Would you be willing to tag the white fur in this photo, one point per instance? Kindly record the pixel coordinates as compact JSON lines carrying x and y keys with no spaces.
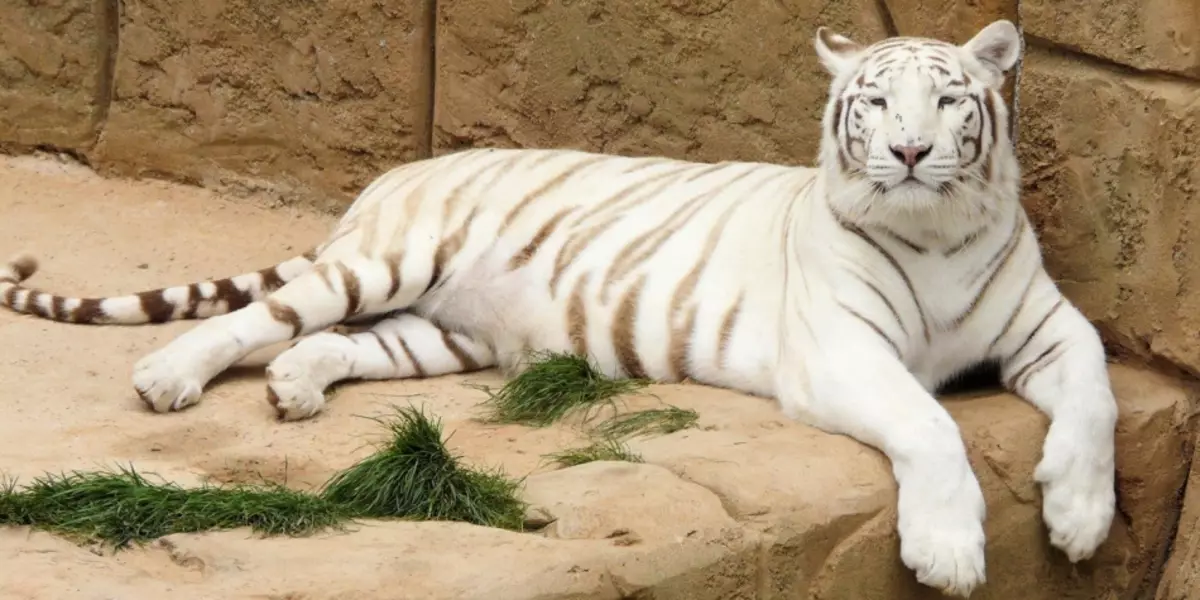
{"x":809,"y":296}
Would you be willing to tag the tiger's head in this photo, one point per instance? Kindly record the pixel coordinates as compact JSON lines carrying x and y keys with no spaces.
{"x":915,"y":125}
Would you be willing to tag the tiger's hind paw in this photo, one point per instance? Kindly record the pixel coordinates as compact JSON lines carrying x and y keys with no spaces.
{"x":294,"y":395}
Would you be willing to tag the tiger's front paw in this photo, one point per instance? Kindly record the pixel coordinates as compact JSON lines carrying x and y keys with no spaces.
{"x":941,"y":534}
{"x":166,"y":382}
{"x":1078,"y":492}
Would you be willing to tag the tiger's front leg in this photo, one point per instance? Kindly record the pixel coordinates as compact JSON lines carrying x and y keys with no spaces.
{"x":1054,"y":359}
{"x":856,"y":386}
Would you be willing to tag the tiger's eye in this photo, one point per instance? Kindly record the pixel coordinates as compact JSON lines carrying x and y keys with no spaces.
{"x":880,"y":102}
{"x":945,"y":101}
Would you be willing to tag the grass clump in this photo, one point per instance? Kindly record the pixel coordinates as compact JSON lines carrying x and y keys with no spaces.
{"x":416,"y":476}
{"x":660,"y":421}
{"x":604,"y":449}
{"x":552,"y":385}
{"x":123,"y":506}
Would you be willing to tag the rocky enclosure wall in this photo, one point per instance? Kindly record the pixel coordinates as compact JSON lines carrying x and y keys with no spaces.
{"x":310,"y":99}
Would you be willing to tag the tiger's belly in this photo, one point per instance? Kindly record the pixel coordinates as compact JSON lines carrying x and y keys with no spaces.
{"x":679,"y":315}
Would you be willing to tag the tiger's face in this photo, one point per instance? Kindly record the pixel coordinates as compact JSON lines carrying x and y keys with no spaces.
{"x":918,"y":119}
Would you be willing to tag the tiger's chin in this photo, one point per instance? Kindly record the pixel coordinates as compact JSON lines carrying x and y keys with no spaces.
{"x":911,"y":193}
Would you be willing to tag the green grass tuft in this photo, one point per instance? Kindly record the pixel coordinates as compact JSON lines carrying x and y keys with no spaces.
{"x":660,"y":421}
{"x":605,"y":449}
{"x":552,"y":385}
{"x":416,"y":476}
{"x":122,"y":507}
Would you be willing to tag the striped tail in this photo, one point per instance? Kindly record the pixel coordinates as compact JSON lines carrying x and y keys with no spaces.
{"x":193,"y":301}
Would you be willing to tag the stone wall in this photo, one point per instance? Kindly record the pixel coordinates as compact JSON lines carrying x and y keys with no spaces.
{"x":310,"y":100}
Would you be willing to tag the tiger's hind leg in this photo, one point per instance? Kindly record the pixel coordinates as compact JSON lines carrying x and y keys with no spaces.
{"x":400,"y":347}
{"x":332,"y":292}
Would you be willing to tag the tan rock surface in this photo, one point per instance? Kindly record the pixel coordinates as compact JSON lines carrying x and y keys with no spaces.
{"x":311,"y":99}
{"x":955,"y":21}
{"x":1155,"y":35}
{"x":1181,"y":575}
{"x":747,"y":505}
{"x":1111,"y":168}
{"x":53,"y":56}
{"x":706,"y":80}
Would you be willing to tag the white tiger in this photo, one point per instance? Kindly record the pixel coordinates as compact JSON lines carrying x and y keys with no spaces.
{"x":849,"y":291}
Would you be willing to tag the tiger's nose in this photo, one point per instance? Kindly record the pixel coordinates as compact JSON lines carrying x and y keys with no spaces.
{"x":910,"y":155}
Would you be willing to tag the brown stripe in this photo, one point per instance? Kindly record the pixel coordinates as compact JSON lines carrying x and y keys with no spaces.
{"x":391,"y":355}
{"x":412,"y":358}
{"x":270,"y":279}
{"x":891,"y":307}
{"x":547,"y":187}
{"x":353,"y":289}
{"x":1012,"y":318}
{"x":505,"y":164}
{"x":872,"y":325}
{"x":623,"y":331}
{"x":60,"y":307}
{"x":35,"y":307}
{"x":852,"y":228}
{"x":965,"y":243}
{"x":155,"y":307}
{"x":726,"y":333}
{"x":10,"y":297}
{"x":234,"y":297}
{"x":1013,"y":239}
{"x":1016,"y":377}
{"x":836,"y":121}
{"x":574,"y":246}
{"x":523,"y":257}
{"x":448,"y":249}
{"x":577,"y":318}
{"x":88,"y":311}
{"x":706,"y":170}
{"x":902,"y":240}
{"x":193,"y":303}
{"x":1035,"y":331}
{"x":679,"y":352}
{"x":393,"y":265}
{"x":989,"y":163}
{"x":1007,"y":251}
{"x":845,"y":138}
{"x":465,"y":361}
{"x":286,"y":315}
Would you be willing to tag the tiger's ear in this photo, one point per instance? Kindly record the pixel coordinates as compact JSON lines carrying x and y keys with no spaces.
{"x":838,"y":53}
{"x":997,"y":46}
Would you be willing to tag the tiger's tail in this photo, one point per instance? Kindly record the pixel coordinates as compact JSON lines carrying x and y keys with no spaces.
{"x":193,"y":301}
